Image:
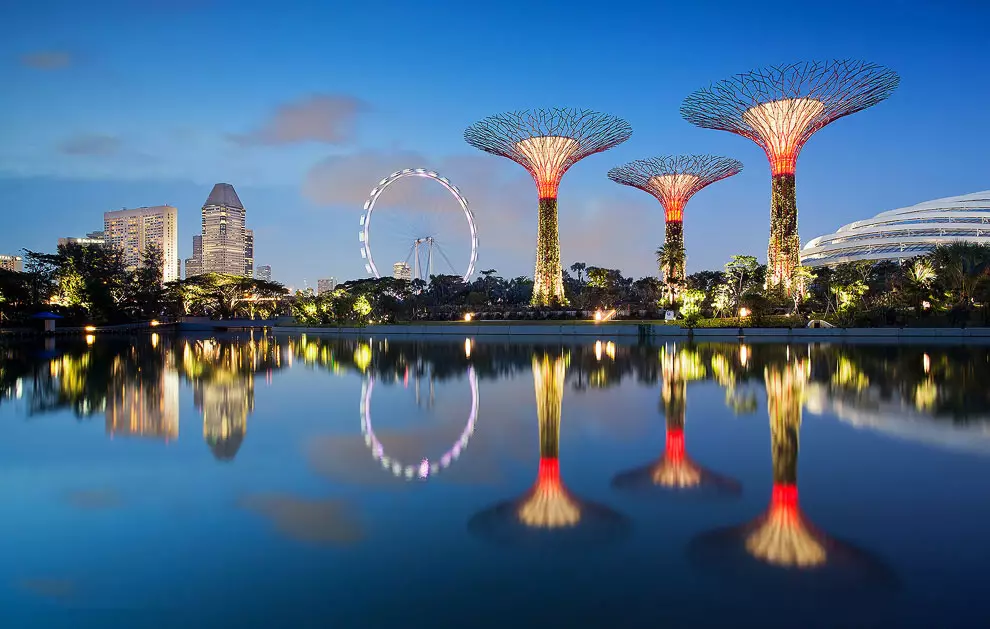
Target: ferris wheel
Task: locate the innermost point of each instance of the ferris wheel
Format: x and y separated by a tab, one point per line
425	468
421	243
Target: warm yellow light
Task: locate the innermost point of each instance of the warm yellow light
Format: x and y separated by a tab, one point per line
598	315
781	125
675	186
154	322
598	350
90	328
743	355
610	350
744	312
926	362
467	348
154	339
548	158
467	316
90	339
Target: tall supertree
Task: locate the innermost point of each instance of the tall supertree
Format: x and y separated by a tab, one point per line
547	142
549	512
780	108
782	536
673	180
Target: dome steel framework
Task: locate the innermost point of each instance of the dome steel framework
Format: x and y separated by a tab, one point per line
904	233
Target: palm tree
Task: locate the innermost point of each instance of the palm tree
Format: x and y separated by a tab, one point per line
578	268
963	267
919	277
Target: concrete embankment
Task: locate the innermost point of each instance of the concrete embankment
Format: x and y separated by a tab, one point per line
626	330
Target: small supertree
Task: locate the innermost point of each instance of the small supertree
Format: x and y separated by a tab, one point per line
673	180
548	512
780	108
675	470
547	142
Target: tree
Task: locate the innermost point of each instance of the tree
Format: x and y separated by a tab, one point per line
225	296
148	290
962	269
578	268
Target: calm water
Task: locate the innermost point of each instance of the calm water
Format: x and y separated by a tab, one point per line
308	482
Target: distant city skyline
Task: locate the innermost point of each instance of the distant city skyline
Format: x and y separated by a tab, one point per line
305	127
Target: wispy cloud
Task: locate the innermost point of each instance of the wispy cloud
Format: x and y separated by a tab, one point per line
321	522
91	144
325	118
47	60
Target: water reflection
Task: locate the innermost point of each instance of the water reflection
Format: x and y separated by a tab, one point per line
548	512
783	537
675	470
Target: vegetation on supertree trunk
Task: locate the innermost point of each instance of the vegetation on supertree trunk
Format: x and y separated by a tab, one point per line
784	247
548	286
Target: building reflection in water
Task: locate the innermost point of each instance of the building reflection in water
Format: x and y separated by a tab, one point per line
140	406
548	513
675	470
783	538
222	374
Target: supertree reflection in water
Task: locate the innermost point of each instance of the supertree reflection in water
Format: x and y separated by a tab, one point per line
675	470
548	513
782	543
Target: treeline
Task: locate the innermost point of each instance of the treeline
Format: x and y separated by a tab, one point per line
91	284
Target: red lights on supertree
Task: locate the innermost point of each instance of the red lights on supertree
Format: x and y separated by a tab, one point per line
673	180
547	142
780	108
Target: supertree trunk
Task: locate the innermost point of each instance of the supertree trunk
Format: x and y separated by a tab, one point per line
548	280
548	380
674	242
783	251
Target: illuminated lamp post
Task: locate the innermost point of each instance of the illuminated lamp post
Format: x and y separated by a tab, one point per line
783	537
780	108
548	513
547	142
673	180
675	471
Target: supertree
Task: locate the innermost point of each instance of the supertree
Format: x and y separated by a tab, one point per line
548	512
547	142
673	180
780	108
675	470
783	537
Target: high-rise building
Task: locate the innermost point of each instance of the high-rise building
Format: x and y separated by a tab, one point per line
223	232
249	253
92	239
326	285
226	404
134	231
194	265
12	263
264	273
402	271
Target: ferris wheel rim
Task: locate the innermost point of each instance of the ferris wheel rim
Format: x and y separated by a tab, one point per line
369	207
426	468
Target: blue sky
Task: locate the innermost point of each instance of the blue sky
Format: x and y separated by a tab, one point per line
304	106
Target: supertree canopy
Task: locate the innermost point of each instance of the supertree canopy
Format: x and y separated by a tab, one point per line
548	512
547	142
675	470
673	180
780	108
